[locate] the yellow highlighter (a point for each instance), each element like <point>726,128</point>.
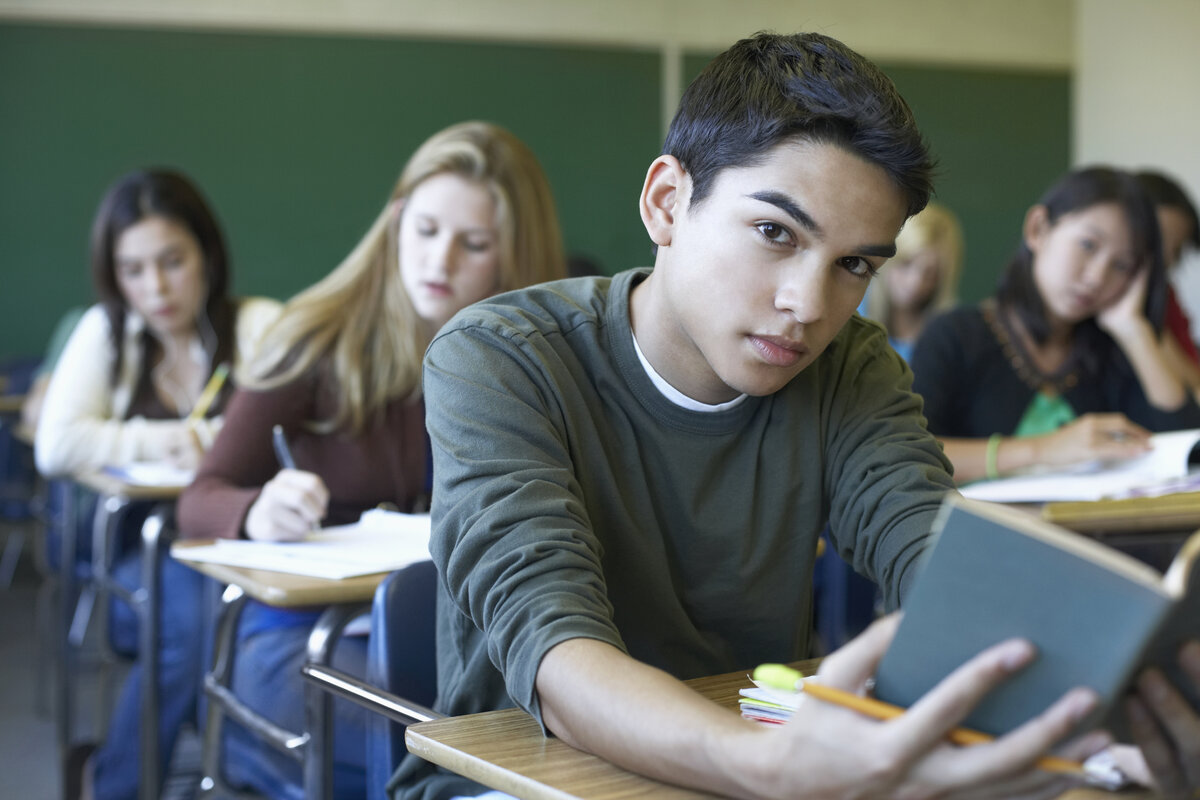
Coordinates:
<point>781,676</point>
<point>210,391</point>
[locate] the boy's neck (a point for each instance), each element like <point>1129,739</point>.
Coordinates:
<point>651,321</point>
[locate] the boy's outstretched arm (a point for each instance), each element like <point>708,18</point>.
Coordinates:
<point>598,699</point>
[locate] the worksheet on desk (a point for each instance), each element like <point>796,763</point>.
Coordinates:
<point>382,541</point>
<point>1171,462</point>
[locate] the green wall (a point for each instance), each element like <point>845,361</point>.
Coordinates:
<point>297,140</point>
<point>1000,137</point>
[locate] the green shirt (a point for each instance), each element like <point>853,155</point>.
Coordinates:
<point>572,499</point>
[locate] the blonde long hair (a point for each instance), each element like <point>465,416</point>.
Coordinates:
<point>359,320</point>
<point>934,227</point>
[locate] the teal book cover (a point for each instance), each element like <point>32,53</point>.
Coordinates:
<point>1094,614</point>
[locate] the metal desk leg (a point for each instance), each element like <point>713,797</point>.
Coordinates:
<point>66,590</point>
<point>95,599</point>
<point>318,704</point>
<point>154,539</point>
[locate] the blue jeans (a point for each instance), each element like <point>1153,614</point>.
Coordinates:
<point>267,678</point>
<point>180,654</point>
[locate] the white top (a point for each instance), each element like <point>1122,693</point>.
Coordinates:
<point>82,426</point>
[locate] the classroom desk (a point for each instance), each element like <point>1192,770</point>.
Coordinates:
<point>1168,514</point>
<point>505,750</point>
<point>115,496</point>
<point>345,599</point>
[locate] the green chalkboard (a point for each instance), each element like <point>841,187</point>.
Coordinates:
<point>1001,137</point>
<point>296,140</point>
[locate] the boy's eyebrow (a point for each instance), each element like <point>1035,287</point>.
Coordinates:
<point>787,206</point>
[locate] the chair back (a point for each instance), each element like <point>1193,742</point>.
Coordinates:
<point>401,659</point>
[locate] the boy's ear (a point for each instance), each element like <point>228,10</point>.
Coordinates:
<point>663,193</point>
<point>1037,223</point>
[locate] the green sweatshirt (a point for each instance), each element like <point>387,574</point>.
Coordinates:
<point>572,499</point>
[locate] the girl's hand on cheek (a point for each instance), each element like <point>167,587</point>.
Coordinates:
<point>1127,309</point>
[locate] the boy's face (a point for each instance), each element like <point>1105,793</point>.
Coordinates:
<point>752,284</point>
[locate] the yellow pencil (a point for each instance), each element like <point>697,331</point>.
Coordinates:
<point>782,677</point>
<point>881,710</point>
<point>210,391</point>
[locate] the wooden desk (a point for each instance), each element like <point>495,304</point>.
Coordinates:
<point>115,495</point>
<point>282,589</point>
<point>1179,513</point>
<point>505,750</point>
<point>344,600</point>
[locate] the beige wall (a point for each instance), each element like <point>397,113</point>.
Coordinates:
<point>1034,33</point>
<point>1137,98</point>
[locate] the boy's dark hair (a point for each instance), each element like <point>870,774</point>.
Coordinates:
<point>771,88</point>
<point>1076,191</point>
<point>1164,191</point>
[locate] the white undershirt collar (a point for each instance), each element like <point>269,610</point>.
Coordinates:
<point>674,395</point>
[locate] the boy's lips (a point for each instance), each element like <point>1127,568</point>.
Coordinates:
<point>779,351</point>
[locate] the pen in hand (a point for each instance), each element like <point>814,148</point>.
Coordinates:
<point>282,451</point>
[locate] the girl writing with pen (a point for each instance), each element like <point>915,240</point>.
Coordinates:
<point>130,386</point>
<point>1065,364</point>
<point>340,374</point>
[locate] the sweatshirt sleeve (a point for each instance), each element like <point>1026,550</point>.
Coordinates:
<point>78,429</point>
<point>511,537</point>
<point>242,459</point>
<point>887,474</point>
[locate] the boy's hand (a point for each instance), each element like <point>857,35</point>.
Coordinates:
<point>1167,728</point>
<point>909,756</point>
<point>290,506</point>
<point>597,698</point>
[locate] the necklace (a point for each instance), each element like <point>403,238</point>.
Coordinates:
<point>1054,384</point>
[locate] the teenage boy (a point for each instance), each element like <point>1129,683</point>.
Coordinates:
<point>632,473</point>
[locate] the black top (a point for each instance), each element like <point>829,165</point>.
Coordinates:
<point>976,381</point>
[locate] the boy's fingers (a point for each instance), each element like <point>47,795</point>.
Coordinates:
<point>1012,758</point>
<point>850,667</point>
<point>1179,740</point>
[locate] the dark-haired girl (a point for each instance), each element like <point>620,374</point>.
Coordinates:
<point>1065,364</point>
<point>123,391</point>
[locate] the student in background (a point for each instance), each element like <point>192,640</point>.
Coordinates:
<point>631,473</point>
<point>31,408</point>
<point>1064,364</point>
<point>921,279</point>
<point>1180,229</point>
<point>471,215</point>
<point>122,391</point>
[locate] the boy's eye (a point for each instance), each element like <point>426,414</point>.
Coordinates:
<point>774,232</point>
<point>1087,245</point>
<point>858,266</point>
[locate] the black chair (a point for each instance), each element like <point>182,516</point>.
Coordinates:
<point>401,668</point>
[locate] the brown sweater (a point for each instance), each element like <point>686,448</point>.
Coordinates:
<point>388,462</point>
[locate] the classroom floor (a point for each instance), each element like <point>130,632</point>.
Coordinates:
<point>29,755</point>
